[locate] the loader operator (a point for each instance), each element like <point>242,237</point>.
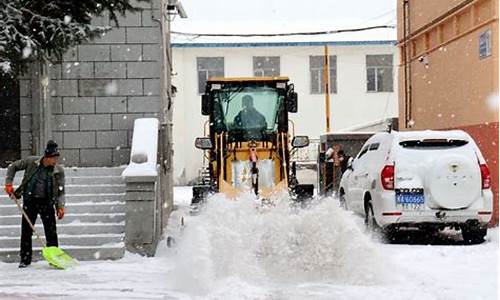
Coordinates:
<point>249,117</point>
<point>42,188</point>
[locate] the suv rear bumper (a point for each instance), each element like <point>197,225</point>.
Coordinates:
<point>446,218</point>
<point>389,214</point>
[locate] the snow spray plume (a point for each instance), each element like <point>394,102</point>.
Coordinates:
<point>278,243</point>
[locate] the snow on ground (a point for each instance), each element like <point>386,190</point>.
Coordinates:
<point>238,250</point>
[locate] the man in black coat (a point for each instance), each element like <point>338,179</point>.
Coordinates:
<point>42,189</point>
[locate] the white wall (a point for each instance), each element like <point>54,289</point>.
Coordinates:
<point>350,106</point>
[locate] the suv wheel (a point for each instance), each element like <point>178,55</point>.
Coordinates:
<point>473,234</point>
<point>370,223</point>
<point>342,202</point>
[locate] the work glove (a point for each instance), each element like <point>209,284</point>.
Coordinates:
<point>9,189</point>
<point>60,213</point>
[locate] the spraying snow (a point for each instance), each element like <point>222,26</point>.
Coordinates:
<point>444,272</point>
<point>279,244</point>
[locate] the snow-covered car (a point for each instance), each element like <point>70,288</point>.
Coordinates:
<point>420,179</point>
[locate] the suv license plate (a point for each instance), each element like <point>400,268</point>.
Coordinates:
<point>409,198</point>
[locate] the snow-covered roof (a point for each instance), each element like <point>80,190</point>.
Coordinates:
<point>433,134</point>
<point>242,44</point>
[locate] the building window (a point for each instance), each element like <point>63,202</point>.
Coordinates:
<point>266,66</point>
<point>208,67</point>
<point>379,73</point>
<point>316,66</point>
<point>485,44</point>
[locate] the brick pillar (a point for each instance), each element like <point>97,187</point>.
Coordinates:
<point>142,229</point>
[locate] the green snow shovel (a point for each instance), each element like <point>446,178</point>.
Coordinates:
<point>55,256</point>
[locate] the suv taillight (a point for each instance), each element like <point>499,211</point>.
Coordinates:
<point>485,176</point>
<point>387,177</point>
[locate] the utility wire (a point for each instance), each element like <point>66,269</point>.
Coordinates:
<point>282,34</point>
<point>378,17</point>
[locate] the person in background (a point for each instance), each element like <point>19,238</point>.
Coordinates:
<point>42,190</point>
<point>343,160</point>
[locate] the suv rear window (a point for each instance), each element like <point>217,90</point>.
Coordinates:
<point>433,143</point>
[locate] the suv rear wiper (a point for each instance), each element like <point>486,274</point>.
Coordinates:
<point>432,143</point>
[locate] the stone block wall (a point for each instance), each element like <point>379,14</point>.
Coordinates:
<point>25,94</point>
<point>100,88</point>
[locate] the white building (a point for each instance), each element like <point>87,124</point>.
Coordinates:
<point>363,85</point>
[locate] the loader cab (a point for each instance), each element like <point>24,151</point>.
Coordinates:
<point>249,110</point>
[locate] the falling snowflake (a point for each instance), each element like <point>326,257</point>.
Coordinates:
<point>111,88</point>
<point>492,102</point>
<point>27,51</point>
<point>67,19</point>
<point>5,66</point>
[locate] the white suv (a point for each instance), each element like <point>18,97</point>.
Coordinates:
<point>420,179</point>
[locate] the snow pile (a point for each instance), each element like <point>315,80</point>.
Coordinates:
<point>144,149</point>
<point>240,239</point>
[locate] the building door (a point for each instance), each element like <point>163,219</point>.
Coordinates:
<point>10,123</point>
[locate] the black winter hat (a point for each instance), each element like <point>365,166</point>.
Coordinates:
<point>51,149</point>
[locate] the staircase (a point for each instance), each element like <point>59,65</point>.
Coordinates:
<point>94,223</point>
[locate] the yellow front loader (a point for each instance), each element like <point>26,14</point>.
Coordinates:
<point>248,144</point>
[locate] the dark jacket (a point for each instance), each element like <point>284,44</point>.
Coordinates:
<point>30,166</point>
<point>344,163</point>
<point>250,119</point>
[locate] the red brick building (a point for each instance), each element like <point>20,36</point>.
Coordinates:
<point>448,72</point>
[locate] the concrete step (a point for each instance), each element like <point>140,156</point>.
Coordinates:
<point>68,240</point>
<point>94,224</point>
<point>82,253</point>
<point>90,189</point>
<point>71,218</point>
<point>82,180</point>
<point>95,189</point>
<point>72,228</point>
<point>74,198</point>
<point>75,172</point>
<point>77,208</point>
<point>72,171</point>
